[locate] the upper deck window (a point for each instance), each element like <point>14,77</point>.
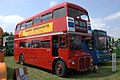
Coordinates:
<point>18,27</point>
<point>23,25</point>
<point>73,13</point>
<point>46,17</point>
<point>36,20</point>
<point>84,16</point>
<point>77,14</point>
<point>59,12</point>
<point>29,23</point>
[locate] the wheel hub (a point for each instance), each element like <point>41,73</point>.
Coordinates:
<point>59,69</point>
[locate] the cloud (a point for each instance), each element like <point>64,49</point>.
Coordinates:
<point>9,22</point>
<point>98,23</point>
<point>113,16</point>
<point>108,23</point>
<point>53,2</point>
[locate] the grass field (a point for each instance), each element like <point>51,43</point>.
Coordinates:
<point>36,73</point>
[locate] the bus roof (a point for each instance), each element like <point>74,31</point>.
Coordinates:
<point>96,30</point>
<point>53,8</point>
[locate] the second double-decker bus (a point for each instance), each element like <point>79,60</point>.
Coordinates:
<point>8,42</point>
<point>52,39</point>
<point>97,46</point>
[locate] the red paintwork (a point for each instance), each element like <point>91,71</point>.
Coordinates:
<point>40,56</point>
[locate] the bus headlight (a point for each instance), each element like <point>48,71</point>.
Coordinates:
<point>73,62</point>
<point>91,60</point>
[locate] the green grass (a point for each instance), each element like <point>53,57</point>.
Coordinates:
<point>36,73</point>
<point>117,51</point>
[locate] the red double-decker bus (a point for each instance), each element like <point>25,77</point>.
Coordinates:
<point>52,39</point>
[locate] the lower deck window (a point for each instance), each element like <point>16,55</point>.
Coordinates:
<point>35,44</point>
<point>45,44</point>
<point>22,44</point>
<point>27,44</point>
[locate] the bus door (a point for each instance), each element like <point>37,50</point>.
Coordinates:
<point>55,45</point>
<point>63,45</point>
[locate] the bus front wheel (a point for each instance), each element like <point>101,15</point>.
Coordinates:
<point>60,69</point>
<point>21,60</point>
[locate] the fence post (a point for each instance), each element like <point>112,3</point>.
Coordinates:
<point>113,62</point>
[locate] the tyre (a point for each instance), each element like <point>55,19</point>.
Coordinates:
<point>21,60</point>
<point>61,69</point>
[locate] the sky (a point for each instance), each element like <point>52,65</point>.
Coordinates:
<point>104,14</point>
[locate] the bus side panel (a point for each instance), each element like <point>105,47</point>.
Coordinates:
<point>44,58</point>
<point>38,57</point>
<point>41,57</point>
<point>63,53</point>
<point>60,24</point>
<point>16,50</point>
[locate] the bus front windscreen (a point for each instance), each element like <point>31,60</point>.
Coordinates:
<point>75,42</point>
<point>102,42</point>
<point>89,43</point>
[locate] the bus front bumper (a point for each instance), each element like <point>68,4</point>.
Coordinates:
<point>81,64</point>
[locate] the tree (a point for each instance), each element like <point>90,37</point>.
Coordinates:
<point>7,34</point>
<point>10,34</point>
<point>119,39</point>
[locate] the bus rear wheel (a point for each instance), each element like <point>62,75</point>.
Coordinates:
<point>21,60</point>
<point>60,69</point>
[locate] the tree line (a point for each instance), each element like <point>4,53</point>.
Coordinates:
<point>7,34</point>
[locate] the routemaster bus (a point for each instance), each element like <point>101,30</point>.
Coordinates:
<point>52,39</point>
<point>97,46</point>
